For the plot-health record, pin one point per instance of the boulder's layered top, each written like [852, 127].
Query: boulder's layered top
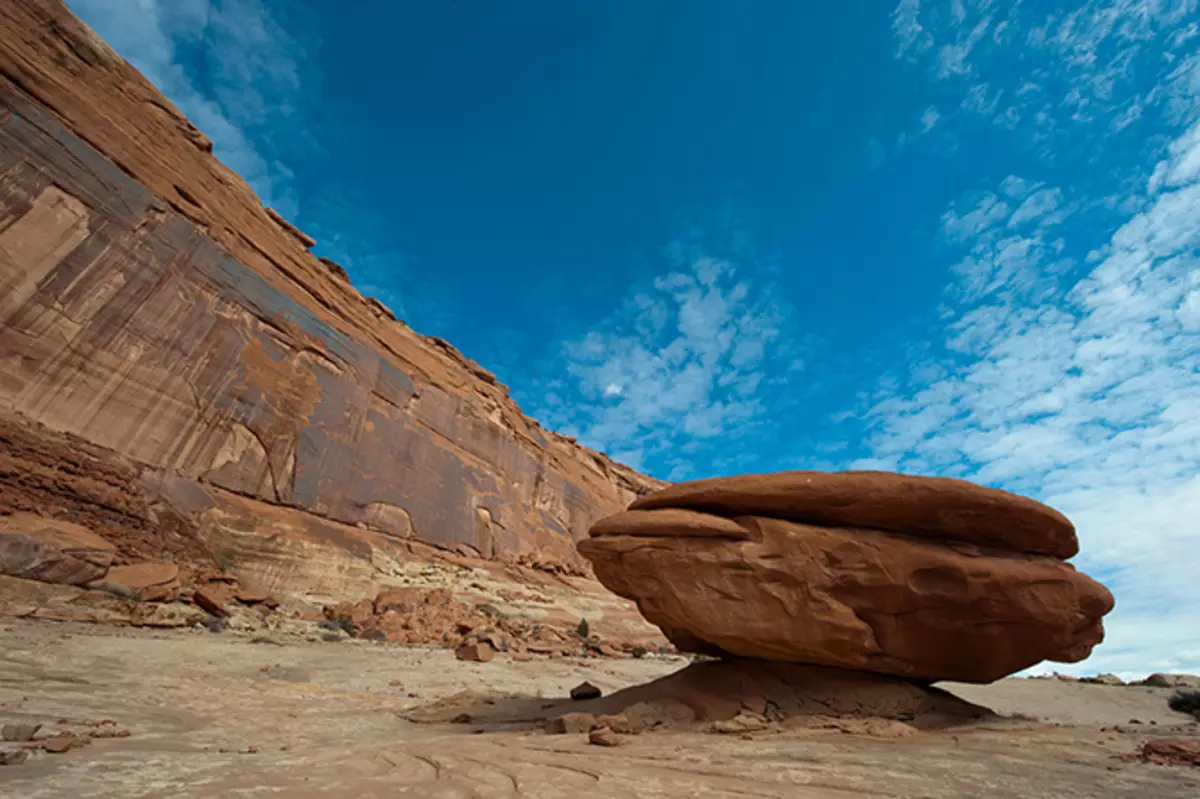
[926, 578]
[928, 507]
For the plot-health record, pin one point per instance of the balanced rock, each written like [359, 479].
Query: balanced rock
[940, 600]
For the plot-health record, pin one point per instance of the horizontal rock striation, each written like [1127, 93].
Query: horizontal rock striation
[152, 308]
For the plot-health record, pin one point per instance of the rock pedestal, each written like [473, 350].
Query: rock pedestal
[924, 578]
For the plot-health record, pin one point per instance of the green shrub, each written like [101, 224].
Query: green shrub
[583, 629]
[342, 623]
[639, 652]
[1185, 702]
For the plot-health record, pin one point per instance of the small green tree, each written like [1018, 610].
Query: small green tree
[582, 629]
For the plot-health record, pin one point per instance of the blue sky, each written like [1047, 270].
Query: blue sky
[707, 237]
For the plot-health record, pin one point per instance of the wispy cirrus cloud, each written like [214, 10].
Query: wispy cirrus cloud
[687, 370]
[228, 65]
[1066, 364]
[1055, 73]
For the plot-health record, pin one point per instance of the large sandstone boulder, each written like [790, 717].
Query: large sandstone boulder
[53, 551]
[887, 601]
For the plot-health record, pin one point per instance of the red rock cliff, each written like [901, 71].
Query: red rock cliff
[154, 312]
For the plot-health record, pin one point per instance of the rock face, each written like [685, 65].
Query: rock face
[889, 599]
[154, 312]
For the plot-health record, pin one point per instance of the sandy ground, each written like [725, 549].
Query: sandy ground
[325, 720]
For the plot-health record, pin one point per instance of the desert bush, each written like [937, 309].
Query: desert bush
[583, 629]
[341, 623]
[1185, 702]
[639, 652]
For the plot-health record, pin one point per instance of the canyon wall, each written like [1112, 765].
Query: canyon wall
[155, 313]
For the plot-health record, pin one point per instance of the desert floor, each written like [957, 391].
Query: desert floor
[223, 714]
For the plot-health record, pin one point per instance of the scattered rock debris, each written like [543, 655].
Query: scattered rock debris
[571, 723]
[603, 736]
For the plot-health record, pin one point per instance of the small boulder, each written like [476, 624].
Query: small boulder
[52, 551]
[13, 757]
[58, 745]
[618, 723]
[584, 691]
[209, 598]
[478, 653]
[603, 736]
[571, 723]
[19, 732]
[252, 596]
[152, 581]
[1171, 752]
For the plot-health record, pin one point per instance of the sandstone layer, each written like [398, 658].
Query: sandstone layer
[155, 313]
[931, 507]
[894, 601]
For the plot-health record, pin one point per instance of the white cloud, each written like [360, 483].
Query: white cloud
[692, 358]
[1083, 393]
[929, 118]
[911, 38]
[252, 81]
[1051, 71]
[1041, 206]
[953, 58]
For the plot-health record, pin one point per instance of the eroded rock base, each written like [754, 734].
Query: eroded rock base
[722, 690]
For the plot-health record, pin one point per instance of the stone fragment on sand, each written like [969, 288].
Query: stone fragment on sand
[167, 614]
[856, 599]
[603, 736]
[58, 745]
[152, 581]
[498, 640]
[585, 690]
[13, 757]
[570, 723]
[1171, 752]
[52, 551]
[478, 653]
[20, 731]
[210, 599]
[742, 722]
[928, 507]
[251, 596]
[618, 723]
